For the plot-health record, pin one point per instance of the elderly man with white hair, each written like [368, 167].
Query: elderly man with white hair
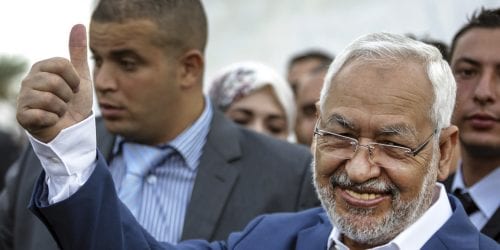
[382, 141]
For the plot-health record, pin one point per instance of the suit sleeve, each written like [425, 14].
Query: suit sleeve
[94, 218]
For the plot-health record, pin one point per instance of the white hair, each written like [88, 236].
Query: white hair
[386, 48]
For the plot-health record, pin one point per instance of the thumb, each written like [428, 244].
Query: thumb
[78, 51]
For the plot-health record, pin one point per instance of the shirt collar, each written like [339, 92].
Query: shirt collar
[418, 233]
[191, 141]
[483, 192]
[189, 144]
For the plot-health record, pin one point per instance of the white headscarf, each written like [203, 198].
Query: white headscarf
[238, 80]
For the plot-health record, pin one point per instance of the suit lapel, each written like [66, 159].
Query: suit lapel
[217, 174]
[457, 232]
[492, 227]
[315, 237]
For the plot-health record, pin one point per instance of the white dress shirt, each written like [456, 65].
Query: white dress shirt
[68, 169]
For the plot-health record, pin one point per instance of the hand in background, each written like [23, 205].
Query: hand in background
[57, 92]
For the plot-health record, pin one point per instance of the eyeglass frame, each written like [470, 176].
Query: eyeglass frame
[369, 146]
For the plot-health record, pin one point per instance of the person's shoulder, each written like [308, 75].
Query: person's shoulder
[273, 144]
[467, 237]
[284, 230]
[486, 242]
[302, 219]
[315, 214]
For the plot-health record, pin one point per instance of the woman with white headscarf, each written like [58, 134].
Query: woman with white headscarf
[256, 96]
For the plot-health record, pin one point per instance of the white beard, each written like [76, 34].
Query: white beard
[359, 224]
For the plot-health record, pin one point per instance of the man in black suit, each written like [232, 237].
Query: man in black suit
[475, 61]
[148, 78]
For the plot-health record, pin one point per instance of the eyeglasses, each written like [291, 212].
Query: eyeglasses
[343, 147]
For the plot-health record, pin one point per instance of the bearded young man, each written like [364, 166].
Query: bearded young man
[382, 140]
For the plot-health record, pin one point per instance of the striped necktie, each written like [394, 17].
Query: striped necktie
[139, 160]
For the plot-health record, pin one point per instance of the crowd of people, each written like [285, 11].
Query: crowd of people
[393, 143]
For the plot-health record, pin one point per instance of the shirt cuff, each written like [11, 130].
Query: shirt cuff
[69, 159]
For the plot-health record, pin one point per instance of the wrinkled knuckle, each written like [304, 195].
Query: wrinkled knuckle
[28, 80]
[50, 99]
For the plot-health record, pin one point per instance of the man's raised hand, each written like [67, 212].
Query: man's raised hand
[57, 92]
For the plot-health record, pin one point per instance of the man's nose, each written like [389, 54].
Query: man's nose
[104, 79]
[487, 88]
[360, 168]
[258, 125]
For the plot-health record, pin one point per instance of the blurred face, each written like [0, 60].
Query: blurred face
[135, 80]
[476, 66]
[306, 98]
[372, 197]
[260, 111]
[299, 70]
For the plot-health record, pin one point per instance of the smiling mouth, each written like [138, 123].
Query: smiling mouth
[363, 196]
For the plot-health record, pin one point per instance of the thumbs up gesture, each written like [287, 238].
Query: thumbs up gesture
[57, 92]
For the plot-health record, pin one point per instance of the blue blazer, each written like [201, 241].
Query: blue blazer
[94, 218]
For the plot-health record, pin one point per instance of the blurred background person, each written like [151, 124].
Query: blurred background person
[475, 62]
[308, 91]
[305, 62]
[11, 135]
[255, 96]
[440, 45]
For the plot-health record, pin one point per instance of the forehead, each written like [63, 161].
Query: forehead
[478, 44]
[377, 95]
[304, 65]
[311, 87]
[129, 34]
[262, 100]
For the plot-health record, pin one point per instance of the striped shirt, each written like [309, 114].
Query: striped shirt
[167, 188]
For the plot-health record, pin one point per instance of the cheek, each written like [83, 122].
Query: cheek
[409, 181]
[325, 167]
[308, 124]
[464, 91]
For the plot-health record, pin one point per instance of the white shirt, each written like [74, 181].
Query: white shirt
[483, 193]
[68, 169]
[417, 234]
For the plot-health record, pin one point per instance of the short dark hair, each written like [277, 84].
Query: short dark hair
[182, 23]
[485, 18]
[325, 58]
[440, 45]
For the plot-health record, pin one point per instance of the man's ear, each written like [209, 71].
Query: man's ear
[192, 66]
[447, 144]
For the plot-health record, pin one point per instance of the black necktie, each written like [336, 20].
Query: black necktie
[469, 204]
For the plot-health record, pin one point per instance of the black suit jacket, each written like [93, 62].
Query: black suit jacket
[241, 174]
[492, 227]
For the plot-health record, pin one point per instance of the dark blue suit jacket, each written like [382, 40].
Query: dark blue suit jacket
[94, 218]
